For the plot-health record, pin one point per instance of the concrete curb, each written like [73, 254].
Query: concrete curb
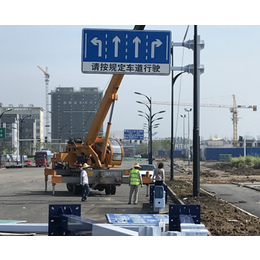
[213, 195]
[176, 200]
[173, 196]
[245, 185]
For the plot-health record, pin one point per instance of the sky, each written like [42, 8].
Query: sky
[51, 35]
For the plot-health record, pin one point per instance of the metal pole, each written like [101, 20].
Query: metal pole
[151, 137]
[244, 146]
[188, 111]
[172, 137]
[183, 134]
[1, 144]
[184, 116]
[188, 138]
[196, 137]
[172, 110]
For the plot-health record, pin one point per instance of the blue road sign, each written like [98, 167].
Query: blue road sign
[126, 51]
[137, 218]
[133, 134]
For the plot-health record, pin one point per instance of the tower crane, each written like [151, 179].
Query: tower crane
[47, 75]
[233, 109]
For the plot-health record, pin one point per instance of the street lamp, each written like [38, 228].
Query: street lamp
[160, 112]
[156, 125]
[149, 117]
[159, 118]
[188, 110]
[7, 110]
[150, 161]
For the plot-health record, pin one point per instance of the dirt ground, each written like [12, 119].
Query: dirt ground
[218, 216]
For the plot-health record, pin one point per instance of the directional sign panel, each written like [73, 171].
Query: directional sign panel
[2, 132]
[133, 134]
[126, 51]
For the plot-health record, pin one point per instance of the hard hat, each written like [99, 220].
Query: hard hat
[137, 165]
[85, 165]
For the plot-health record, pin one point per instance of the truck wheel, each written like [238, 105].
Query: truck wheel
[69, 187]
[113, 189]
[108, 189]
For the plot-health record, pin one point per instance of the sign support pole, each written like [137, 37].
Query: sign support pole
[196, 113]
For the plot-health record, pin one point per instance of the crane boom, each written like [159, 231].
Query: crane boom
[233, 109]
[45, 72]
[202, 105]
[109, 97]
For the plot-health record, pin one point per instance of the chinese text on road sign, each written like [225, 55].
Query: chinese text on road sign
[133, 134]
[126, 52]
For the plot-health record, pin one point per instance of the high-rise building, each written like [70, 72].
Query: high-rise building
[72, 112]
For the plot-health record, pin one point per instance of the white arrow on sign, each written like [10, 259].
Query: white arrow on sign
[136, 41]
[116, 40]
[95, 41]
[156, 43]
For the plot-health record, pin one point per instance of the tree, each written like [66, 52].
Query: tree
[143, 148]
[166, 145]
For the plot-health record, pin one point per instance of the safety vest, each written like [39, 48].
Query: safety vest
[134, 177]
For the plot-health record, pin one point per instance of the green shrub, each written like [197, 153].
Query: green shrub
[249, 161]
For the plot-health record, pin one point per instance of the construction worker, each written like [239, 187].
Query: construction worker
[159, 175]
[135, 180]
[84, 182]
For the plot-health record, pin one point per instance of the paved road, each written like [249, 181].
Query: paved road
[22, 197]
[241, 196]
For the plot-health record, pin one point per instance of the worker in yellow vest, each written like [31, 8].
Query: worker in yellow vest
[135, 180]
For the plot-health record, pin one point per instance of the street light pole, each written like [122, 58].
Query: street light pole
[150, 126]
[7, 110]
[150, 156]
[172, 134]
[150, 134]
[188, 110]
[150, 123]
[183, 129]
